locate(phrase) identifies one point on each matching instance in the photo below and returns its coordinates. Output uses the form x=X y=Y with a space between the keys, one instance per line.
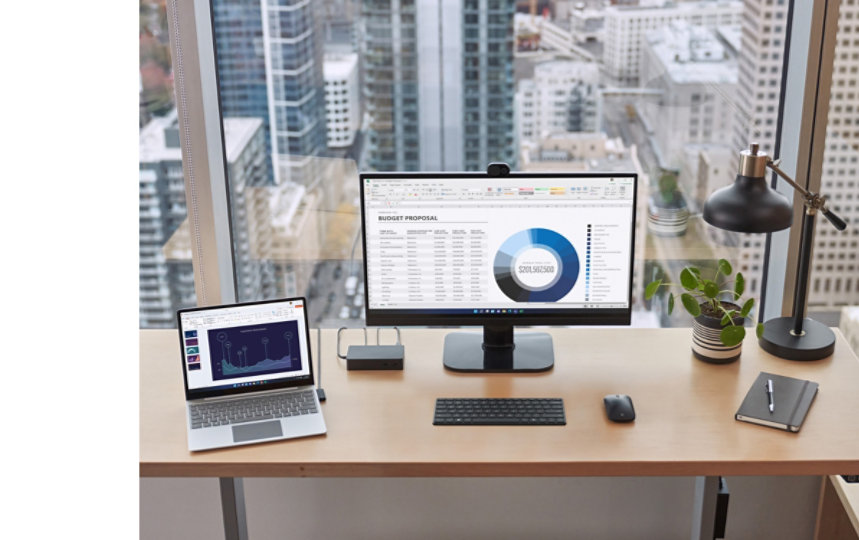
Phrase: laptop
x=248 y=373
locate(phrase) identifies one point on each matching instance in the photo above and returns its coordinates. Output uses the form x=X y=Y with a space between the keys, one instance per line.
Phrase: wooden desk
x=380 y=423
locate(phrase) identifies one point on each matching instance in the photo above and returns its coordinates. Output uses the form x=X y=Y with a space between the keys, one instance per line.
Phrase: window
x=294 y=216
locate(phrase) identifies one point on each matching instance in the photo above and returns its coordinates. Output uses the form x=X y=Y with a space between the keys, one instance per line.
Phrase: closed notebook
x=791 y=401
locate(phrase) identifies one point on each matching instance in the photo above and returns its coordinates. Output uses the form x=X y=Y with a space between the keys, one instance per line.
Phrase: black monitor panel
x=524 y=249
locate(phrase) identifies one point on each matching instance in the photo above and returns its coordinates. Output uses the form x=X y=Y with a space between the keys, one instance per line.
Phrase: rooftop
x=154 y=147
x=662 y=5
x=693 y=54
x=588 y=71
x=339 y=66
x=238 y=133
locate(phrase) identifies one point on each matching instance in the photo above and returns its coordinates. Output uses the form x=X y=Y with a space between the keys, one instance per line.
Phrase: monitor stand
x=497 y=352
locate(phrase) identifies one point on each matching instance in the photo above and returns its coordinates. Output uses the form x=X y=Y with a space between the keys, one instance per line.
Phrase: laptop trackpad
x=260 y=430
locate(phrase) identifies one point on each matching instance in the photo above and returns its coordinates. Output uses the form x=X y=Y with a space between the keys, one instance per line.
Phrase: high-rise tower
x=270 y=62
x=438 y=83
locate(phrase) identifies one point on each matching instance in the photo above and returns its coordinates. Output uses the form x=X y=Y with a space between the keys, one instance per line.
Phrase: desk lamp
x=751 y=206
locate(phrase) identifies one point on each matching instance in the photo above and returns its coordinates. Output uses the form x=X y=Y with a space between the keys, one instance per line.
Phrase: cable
x=320 y=393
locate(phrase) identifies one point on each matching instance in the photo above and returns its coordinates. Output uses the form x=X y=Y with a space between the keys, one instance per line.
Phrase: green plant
x=713 y=298
x=668 y=189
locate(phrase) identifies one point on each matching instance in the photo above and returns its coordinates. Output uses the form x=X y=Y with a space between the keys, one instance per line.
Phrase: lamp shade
x=749 y=205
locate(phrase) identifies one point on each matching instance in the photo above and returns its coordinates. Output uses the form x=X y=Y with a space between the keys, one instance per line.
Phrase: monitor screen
x=472 y=249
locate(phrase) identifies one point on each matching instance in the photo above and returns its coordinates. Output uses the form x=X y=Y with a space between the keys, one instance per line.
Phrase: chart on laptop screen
x=244 y=345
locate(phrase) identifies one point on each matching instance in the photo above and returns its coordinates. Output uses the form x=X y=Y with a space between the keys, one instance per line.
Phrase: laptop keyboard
x=252 y=409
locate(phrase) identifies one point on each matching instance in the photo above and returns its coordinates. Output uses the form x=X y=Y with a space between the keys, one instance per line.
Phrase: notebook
x=248 y=373
x=791 y=399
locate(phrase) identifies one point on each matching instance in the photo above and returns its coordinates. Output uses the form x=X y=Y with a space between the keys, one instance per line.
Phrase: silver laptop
x=248 y=373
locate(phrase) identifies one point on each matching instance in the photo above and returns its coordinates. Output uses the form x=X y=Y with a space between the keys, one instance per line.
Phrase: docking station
x=373 y=357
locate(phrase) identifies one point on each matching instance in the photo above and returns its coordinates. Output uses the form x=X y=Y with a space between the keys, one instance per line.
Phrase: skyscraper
x=835 y=271
x=438 y=83
x=166 y=274
x=561 y=96
x=342 y=99
x=761 y=56
x=389 y=52
x=764 y=27
x=270 y=66
x=241 y=63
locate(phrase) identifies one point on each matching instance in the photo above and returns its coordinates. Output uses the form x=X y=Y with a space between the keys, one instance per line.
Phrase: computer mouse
x=619 y=408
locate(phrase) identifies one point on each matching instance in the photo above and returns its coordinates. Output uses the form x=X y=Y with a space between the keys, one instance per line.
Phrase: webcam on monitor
x=498 y=168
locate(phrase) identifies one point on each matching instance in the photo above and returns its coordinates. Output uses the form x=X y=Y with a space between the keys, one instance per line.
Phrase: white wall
x=475 y=508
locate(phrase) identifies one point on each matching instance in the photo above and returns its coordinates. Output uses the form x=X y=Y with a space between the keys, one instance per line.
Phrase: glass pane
x=166 y=276
x=313 y=91
x=695 y=84
x=835 y=271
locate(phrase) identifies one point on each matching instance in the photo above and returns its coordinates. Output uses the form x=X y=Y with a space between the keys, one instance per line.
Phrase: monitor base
x=528 y=352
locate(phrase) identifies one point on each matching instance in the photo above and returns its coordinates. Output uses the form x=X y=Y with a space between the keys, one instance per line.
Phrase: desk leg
x=704 y=509
x=233 y=506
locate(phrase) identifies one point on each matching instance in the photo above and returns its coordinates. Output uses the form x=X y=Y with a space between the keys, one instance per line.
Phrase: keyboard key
x=240 y=411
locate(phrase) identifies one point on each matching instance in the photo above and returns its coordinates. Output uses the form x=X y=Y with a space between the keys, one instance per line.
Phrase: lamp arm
x=813 y=201
x=774 y=166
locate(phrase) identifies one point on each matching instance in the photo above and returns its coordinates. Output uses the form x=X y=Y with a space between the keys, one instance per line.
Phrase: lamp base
x=817 y=342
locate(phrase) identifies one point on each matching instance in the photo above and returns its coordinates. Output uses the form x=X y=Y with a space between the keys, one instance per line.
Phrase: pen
x=769 y=387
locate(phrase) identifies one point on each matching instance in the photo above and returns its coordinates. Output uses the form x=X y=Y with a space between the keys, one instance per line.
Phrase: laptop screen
x=245 y=347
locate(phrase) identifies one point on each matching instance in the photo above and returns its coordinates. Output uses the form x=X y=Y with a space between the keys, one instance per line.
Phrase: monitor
x=522 y=249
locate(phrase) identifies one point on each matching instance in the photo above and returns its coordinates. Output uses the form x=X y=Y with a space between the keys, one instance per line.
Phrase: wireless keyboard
x=499 y=412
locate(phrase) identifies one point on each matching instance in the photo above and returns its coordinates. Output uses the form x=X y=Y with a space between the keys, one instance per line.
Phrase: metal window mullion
x=807 y=82
x=203 y=159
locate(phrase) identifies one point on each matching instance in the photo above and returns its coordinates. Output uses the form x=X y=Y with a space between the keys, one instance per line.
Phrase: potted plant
x=668 y=213
x=718 y=309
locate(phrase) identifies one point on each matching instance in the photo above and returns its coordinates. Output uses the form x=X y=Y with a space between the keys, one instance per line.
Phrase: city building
x=164 y=285
x=241 y=63
x=761 y=57
x=166 y=275
x=695 y=71
x=285 y=232
x=270 y=67
x=438 y=83
x=540 y=33
x=561 y=96
x=342 y=99
x=244 y=144
x=627 y=26
x=835 y=268
x=578 y=151
x=339 y=25
x=587 y=24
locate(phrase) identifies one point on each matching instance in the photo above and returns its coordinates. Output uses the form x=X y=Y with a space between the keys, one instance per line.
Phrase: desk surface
x=380 y=423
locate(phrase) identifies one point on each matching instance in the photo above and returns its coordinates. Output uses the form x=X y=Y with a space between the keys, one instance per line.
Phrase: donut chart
x=536 y=265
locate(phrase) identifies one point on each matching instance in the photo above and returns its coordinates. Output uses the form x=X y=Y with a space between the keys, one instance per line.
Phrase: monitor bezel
x=293 y=382
x=571 y=317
